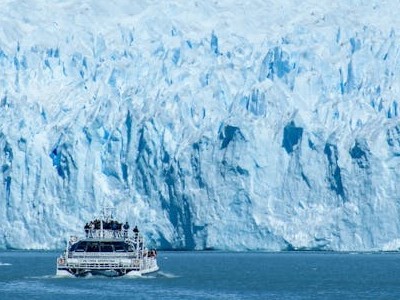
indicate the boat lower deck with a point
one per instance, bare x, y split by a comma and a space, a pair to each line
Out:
105, 270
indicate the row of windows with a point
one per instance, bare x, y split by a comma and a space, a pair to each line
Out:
101, 247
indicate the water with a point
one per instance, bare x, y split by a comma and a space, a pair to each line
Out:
213, 275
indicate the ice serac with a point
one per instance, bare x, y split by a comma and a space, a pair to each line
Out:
229, 125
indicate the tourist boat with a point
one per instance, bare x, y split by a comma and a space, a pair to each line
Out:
109, 248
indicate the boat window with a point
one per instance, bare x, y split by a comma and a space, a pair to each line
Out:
120, 247
106, 247
73, 247
79, 247
92, 247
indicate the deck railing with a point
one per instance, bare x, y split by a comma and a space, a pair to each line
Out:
101, 254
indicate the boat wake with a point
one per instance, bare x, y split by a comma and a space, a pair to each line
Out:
90, 275
167, 275
43, 277
4, 264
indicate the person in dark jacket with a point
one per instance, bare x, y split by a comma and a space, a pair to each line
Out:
114, 228
136, 233
87, 227
126, 229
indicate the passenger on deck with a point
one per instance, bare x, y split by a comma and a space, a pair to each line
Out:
87, 230
126, 228
91, 230
96, 224
119, 229
136, 230
135, 233
107, 225
114, 228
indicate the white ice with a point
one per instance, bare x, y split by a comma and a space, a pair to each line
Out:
237, 125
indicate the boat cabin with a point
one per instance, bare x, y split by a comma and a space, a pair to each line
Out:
101, 246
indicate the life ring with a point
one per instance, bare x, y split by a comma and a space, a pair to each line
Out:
136, 263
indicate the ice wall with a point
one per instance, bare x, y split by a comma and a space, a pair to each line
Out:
210, 124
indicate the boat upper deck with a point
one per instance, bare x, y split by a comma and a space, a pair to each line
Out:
106, 227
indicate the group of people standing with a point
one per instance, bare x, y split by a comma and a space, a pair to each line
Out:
93, 228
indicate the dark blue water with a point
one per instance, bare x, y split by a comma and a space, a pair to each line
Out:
213, 275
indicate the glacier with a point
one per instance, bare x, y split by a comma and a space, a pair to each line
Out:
226, 124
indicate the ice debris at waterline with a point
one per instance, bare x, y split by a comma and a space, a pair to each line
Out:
213, 124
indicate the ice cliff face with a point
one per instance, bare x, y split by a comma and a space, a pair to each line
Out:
210, 124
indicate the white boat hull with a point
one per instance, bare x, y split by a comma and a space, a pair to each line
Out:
74, 268
107, 273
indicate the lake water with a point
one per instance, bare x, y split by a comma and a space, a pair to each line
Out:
213, 275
